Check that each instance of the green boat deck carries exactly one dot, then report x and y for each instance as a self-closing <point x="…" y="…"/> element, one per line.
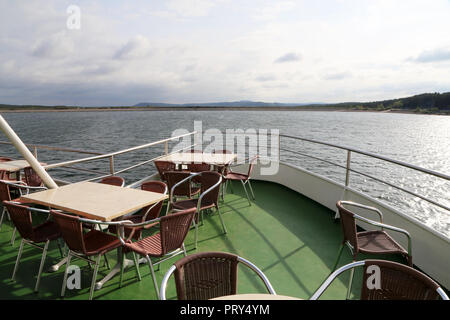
<point x="291" y="238"/>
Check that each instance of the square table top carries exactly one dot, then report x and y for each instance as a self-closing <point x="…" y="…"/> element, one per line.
<point x="15" y="165"/>
<point x="210" y="158"/>
<point x="97" y="201"/>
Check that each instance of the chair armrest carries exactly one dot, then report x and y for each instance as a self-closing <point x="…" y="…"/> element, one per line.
<point x="162" y="292"/>
<point x="217" y="184"/>
<point x="127" y="223"/>
<point x="259" y="273"/>
<point x="389" y="227"/>
<point x="359" y="205"/>
<point x="179" y="183"/>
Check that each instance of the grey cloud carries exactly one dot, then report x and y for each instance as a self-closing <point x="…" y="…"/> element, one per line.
<point x="437" y="55"/>
<point x="265" y="78"/>
<point x="136" y="47"/>
<point x="288" y="57"/>
<point x="56" y="46"/>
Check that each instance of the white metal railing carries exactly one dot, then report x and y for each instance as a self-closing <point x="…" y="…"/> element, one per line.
<point x="348" y="168"/>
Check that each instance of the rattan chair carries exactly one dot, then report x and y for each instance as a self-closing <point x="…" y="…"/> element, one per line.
<point x="208" y="275"/>
<point x="163" y="167"/>
<point x="35" y="236"/>
<point x="18" y="188"/>
<point x="31" y="178"/>
<point x="387" y="280"/>
<point x="209" y="198"/>
<point x="198" y="167"/>
<point x="368" y="242"/>
<point x="114" y="181"/>
<point x="184" y="189"/>
<point x="84" y="245"/>
<point x="165" y="244"/>
<point x="145" y="214"/>
<point x="242" y="177"/>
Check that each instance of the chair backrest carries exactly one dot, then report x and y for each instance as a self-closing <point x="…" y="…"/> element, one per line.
<point x="198" y="167"/>
<point x="163" y="167"/>
<point x="5" y="194"/>
<point x="154" y="186"/>
<point x="173" y="177"/>
<point x="114" y="181"/>
<point x="348" y="225"/>
<point x="397" y="282"/>
<point x="32" y="178"/>
<point x="21" y="217"/>
<point x="71" y="229"/>
<point x="195" y="151"/>
<point x="207" y="180"/>
<point x="174" y="228"/>
<point x="206" y="275"/>
<point x="3" y="159"/>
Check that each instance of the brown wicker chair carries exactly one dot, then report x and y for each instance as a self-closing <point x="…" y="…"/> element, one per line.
<point x="114" y="181"/>
<point x="209" y="198"/>
<point x="208" y="275"/>
<point x="198" y="167"/>
<point x="31" y="178"/>
<point x="4" y="175"/>
<point x="368" y="242"/>
<point x="243" y="178"/>
<point x="34" y="236"/>
<point x="167" y="243"/>
<point x="10" y="189"/>
<point x="84" y="245"/>
<point x="163" y="167"/>
<point x="145" y="214"/>
<point x="184" y="189"/>
<point x="387" y="280"/>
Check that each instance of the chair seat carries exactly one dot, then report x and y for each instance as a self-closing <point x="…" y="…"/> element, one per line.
<point x="378" y="242"/>
<point x="189" y="204"/>
<point x="98" y="242"/>
<point x="235" y="176"/>
<point x="45" y="231"/>
<point x="150" y="246"/>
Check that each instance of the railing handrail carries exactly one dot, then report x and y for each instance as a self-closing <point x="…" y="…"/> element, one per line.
<point x="373" y="155"/>
<point x="55" y="148"/>
<point x="112" y="154"/>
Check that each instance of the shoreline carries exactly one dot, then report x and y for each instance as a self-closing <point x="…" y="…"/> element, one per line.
<point x="117" y="109"/>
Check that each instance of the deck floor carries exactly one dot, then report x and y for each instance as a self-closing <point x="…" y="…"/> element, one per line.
<point x="291" y="238"/>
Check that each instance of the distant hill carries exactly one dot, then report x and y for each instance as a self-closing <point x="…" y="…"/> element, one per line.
<point x="436" y="103"/>
<point x="242" y="103"/>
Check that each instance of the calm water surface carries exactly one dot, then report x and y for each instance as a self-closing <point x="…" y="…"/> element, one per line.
<point x="422" y="140"/>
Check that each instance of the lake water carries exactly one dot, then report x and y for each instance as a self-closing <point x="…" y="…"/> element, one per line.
<point x="422" y="140"/>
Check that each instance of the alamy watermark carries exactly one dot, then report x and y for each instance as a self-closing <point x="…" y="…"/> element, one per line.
<point x="73" y="21"/>
<point x="245" y="143"/>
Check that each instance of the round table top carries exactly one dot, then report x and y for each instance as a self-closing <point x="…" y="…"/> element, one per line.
<point x="256" y="296"/>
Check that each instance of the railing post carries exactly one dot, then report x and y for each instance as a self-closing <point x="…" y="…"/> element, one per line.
<point x="347" y="171"/>
<point x="166" y="148"/>
<point x="35" y="152"/>
<point x="111" y="165"/>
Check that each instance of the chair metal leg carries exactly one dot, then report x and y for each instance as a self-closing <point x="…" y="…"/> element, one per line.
<point x="196" y="232"/>
<point x="94" y="277"/>
<point x="136" y="265"/>
<point x="64" y="284"/>
<point x="122" y="267"/>
<point x="153" y="275"/>
<point x="1" y="218"/>
<point x="221" y="220"/>
<point x="13" y="237"/>
<point x="44" y="254"/>
<point x="184" y="249"/>
<point x="341" y="248"/>
<point x="16" y="266"/>
<point x="107" y="262"/>
<point x="350" y="282"/>
<point x="246" y="193"/>
<point x="251" y="189"/>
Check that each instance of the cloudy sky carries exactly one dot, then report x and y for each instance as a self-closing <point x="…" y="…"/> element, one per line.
<point x="181" y="51"/>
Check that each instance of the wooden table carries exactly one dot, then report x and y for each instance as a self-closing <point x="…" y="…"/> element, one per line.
<point x="15" y="165"/>
<point x="219" y="159"/>
<point x="96" y="201"/>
